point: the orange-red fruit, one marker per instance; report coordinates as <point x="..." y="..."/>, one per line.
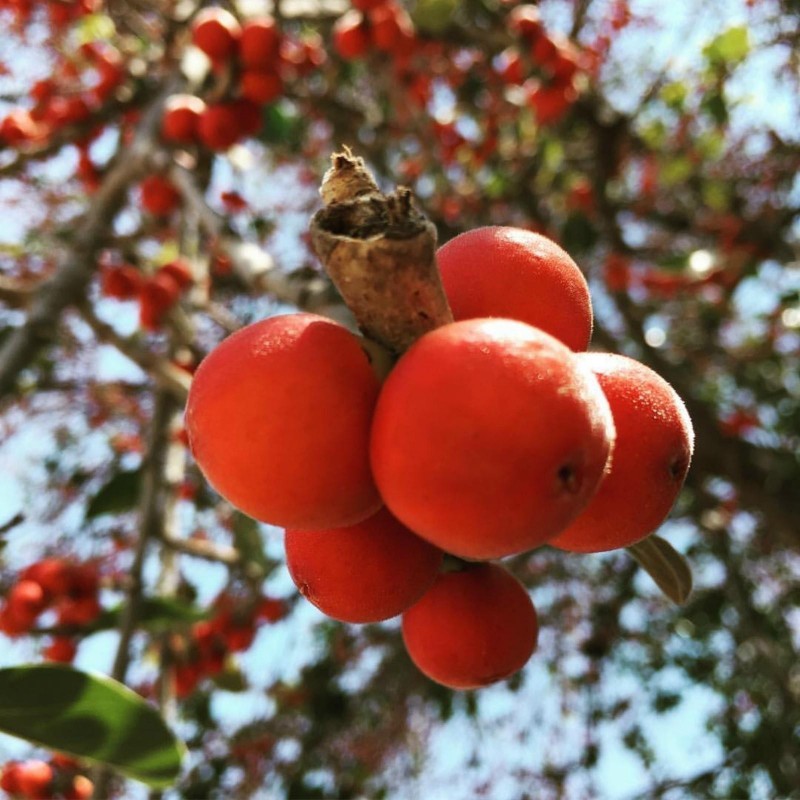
<point x="651" y="457"/>
<point x="34" y="778"/>
<point x="258" y="47"/>
<point x="219" y="127"/>
<point x="366" y="572"/>
<point x="510" y="272"/>
<point x="351" y="37"/>
<point x="158" y="195"/>
<point x="216" y="32"/>
<point x="472" y="628"/>
<point x="489" y="437"/>
<point x="260" y="87"/>
<point x="278" y="418"/>
<point x="181" y="119"/>
<point x="180" y="271"/>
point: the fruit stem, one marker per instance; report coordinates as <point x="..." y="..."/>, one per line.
<point x="380" y="252"/>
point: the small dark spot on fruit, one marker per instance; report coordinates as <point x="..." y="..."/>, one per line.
<point x="569" y="478"/>
<point x="677" y="467"/>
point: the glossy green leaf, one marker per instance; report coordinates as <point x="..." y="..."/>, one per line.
<point x="89" y="716"/>
<point x="118" y="495"/>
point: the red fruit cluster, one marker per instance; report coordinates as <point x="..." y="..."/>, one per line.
<point x="71" y="590"/>
<point x="253" y="53"/>
<point x="556" y="61"/>
<point x="58" y="779"/>
<point x="383" y="25"/>
<point x="490" y="436"/>
<point x="156" y="293"/>
<point x="204" y="652"/>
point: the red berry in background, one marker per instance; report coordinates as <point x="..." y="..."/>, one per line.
<point x="392" y="28"/>
<point x="509" y="272"/>
<point x="121" y="283"/>
<point x="180" y="271"/>
<point x="81" y="789"/>
<point x="158" y="195"/>
<point x="489" y="437"/>
<point x="25" y="601"/>
<point x="34" y="779"/>
<point x="351" y="37"/>
<point x="261" y="87"/>
<point x="367" y="5"/>
<point x="158" y="295"/>
<point x="181" y="119"/>
<point x="216" y="32"/>
<point x="52" y="574"/>
<point x="61" y="649"/>
<point x="249" y="114"/>
<point x="259" y="44"/>
<point x="366" y="572"/>
<point x="525" y="21"/>
<point x="78" y="611"/>
<point x="220" y="126"/>
<point x="9" y="780"/>
<point x="278" y="417"/>
<point x="509" y="66"/>
<point x="651" y="457"/>
<point x="472" y="628"/>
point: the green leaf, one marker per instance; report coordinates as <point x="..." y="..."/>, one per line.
<point x="676" y="170"/>
<point x="156" y="614"/>
<point x="714" y="105"/>
<point x="434" y="16"/>
<point x="96" y="27"/>
<point x="665" y="565"/>
<point x="118" y="495"/>
<point x="89" y="716"/>
<point x="674" y="94"/>
<point x="247" y="539"/>
<point x="729" y="47"/>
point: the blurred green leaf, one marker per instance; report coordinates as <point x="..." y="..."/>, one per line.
<point x="676" y="170"/>
<point x="433" y="16"/>
<point x="89" y="716"/>
<point x="729" y="47"/>
<point x="247" y="540"/>
<point x="674" y="94"/>
<point x="95" y="28"/>
<point x="118" y="495"/>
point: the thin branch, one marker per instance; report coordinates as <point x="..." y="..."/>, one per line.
<point x="166" y="374"/>
<point x="210" y="551"/>
<point x="68" y="285"/>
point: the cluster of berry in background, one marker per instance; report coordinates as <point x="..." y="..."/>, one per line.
<point x="69" y="590"/>
<point x="60" y="778"/>
<point x="491" y="436"/>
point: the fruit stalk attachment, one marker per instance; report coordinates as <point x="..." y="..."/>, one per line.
<point x="380" y="252"/>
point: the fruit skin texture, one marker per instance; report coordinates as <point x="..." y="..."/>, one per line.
<point x="367" y="572"/>
<point x="499" y="271"/>
<point x="654" y="445"/>
<point x="278" y="418"/>
<point x="489" y="437"/>
<point x="472" y="628"/>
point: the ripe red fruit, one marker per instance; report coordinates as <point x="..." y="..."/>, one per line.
<point x="249" y="115"/>
<point x="158" y="195"/>
<point x="62" y="649"/>
<point x="121" y="283"/>
<point x="216" y="32"/>
<point x="26" y="600"/>
<point x="258" y="47"/>
<point x="180" y="271"/>
<point x="366" y="572"/>
<point x="52" y="574"/>
<point x="651" y="457"/>
<point x="158" y="295"/>
<point x="278" y="418"/>
<point x="489" y="437"/>
<point x="34" y="778"/>
<point x="81" y="789"/>
<point x="181" y="119"/>
<point x="472" y="628"/>
<point x="525" y="21"/>
<point x="220" y="126"/>
<point x="351" y="38"/>
<point x="509" y="272"/>
<point x="392" y="28"/>
<point x="260" y="87"/>
<point x="9" y="780"/>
